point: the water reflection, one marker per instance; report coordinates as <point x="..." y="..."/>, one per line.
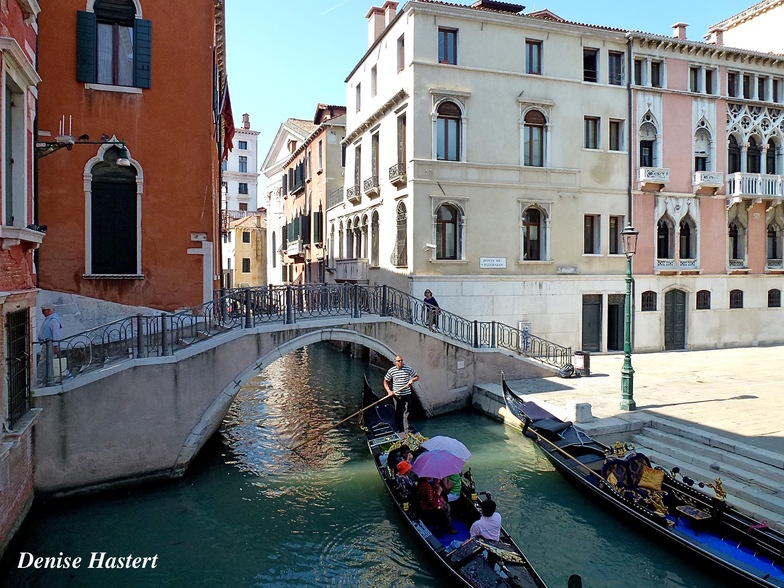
<point x="250" y="512"/>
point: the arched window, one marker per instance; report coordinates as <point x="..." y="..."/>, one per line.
<point x="664" y="240"/>
<point x="774" y="246"/>
<point x="647" y="145"/>
<point x="400" y="252"/>
<point x="733" y="156"/>
<point x="365" y="236"/>
<point x="358" y="238"/>
<point x="703" y="300"/>
<point x="736" y="250"/>
<point x="532" y="234"/>
<point x="349" y="239"/>
<point x="274" y="250"/>
<point x="648" y="301"/>
<point x="770" y="158"/>
<point x="115" y="228"/>
<point x="736" y="298"/>
<point x="331" y="244"/>
<point x="533" y="138"/>
<point x="374" y="239"/>
<point x="753" y="157"/>
<point x="688" y="249"/>
<point x="340" y="240"/>
<point x="447" y="232"/>
<point x="702" y="150"/>
<point x="448" y="131"/>
<point x="113" y="45"/>
<point x="774" y="298"/>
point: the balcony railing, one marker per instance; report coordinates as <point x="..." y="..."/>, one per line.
<point x="664" y="263"/>
<point x="294" y="248"/>
<point x="371" y="186"/>
<point x="653" y="176"/>
<point x="708" y="179"/>
<point x="687" y="263"/>
<point x="354" y="194"/>
<point x="754" y="185"/>
<point x="774" y="264"/>
<point x="351" y="270"/>
<point x="397" y="174"/>
<point x="335" y="198"/>
<point x="737" y="264"/>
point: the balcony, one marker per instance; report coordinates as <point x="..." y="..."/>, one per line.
<point x="371" y="186"/>
<point x="744" y="185"/>
<point x="397" y="174"/>
<point x="295" y="248"/>
<point x="774" y="265"/>
<point x="351" y="270"/>
<point x="707" y="182"/>
<point x="737" y="265"/>
<point x="335" y="198"/>
<point x="354" y="194"/>
<point x="665" y="264"/>
<point x="653" y="178"/>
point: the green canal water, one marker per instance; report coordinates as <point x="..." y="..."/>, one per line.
<point x="250" y="512"/>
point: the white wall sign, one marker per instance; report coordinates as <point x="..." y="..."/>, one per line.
<point x="492" y="262"/>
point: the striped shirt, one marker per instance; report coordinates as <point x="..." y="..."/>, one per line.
<point x="399" y="378"/>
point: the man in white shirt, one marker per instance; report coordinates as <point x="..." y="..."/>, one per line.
<point x="489" y="525"/>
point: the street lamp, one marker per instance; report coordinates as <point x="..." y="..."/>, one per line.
<point x="629" y="240"/>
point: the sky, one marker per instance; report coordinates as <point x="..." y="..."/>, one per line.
<point x="286" y="56"/>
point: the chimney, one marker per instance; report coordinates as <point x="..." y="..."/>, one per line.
<point x="246" y="121"/>
<point x="715" y="36"/>
<point x="390" y="9"/>
<point x="679" y="30"/>
<point x="375" y="18"/>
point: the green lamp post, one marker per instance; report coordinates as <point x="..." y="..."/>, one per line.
<point x="629" y="240"/>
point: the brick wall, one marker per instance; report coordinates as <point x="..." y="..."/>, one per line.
<point x="16" y="484"/>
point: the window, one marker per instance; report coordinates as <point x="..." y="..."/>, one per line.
<point x="591" y="234"/>
<point x="664" y="240"/>
<point x="374" y="225"/>
<point x="447" y="46"/>
<point x="358" y="165"/>
<point x="14" y="177"/>
<point x="762" y="85"/>
<point x="709" y="81"/>
<point x="774" y="298"/>
<point x="320" y="155"/>
<point x="531" y="228"/>
<point x="736" y="246"/>
<point x="590" y="65"/>
<point x="746" y="83"/>
<point x="638" y="69"/>
<point x="732" y="84"/>
<point x="274" y="252"/>
<point x="243" y="206"/>
<point x="775" y="90"/>
<point x="242" y="145"/>
<point x="448" y="228"/>
<point x="616" y="226"/>
<point x="701" y="149"/>
<point x="243" y="164"/>
<point x="374" y="146"/>
<point x="688" y="249"/>
<point x="703" y="300"/>
<point x="591" y="133"/>
<point x="309" y="170"/>
<point x="373" y="81"/>
<point x="400" y="253"/>
<point x="615" y="65"/>
<point x="694" y="79"/>
<point x="401" y="138"/>
<point x="647" y="145"/>
<point x="616" y="135"/>
<point x="770" y="158"/>
<point x="448" y="132"/>
<point x="246" y="265"/>
<point x="114" y="225"/>
<point x="401" y="53"/>
<point x="648" y="301"/>
<point x="243" y="188"/>
<point x="736" y="298"/>
<point x="774" y="242"/>
<point x="733" y="156"/>
<point x="113" y="46"/>
<point x="358" y="99"/>
<point x="533" y="57"/>
<point x="533" y="138"/>
<point x="246" y="236"/>
<point x="656" y="74"/>
<point x="342" y="155"/>
<point x="753" y="154"/>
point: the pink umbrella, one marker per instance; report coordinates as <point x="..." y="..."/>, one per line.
<point x="437" y="464"/>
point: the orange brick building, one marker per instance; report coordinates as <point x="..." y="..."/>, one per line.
<point x="131" y="207"/>
<point x="19" y="237"/>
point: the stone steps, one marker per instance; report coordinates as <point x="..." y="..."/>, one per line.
<point x="755" y="487"/>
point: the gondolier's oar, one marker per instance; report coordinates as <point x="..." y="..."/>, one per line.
<point x="348" y="418"/>
<point x="526" y="424"/>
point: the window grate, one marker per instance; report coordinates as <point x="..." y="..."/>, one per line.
<point x="18" y="337"/>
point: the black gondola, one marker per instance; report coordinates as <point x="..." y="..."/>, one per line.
<point x="660" y="503"/>
<point x="476" y="562"/>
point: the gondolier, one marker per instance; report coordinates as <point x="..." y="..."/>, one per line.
<point x="398" y="382"/>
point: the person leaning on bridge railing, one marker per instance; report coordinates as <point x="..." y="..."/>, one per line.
<point x="49" y="335"/>
<point x="431" y="310"/>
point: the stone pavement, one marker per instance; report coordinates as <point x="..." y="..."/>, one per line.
<point x="734" y="393"/>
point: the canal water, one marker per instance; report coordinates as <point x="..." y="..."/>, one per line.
<point x="250" y="512"/>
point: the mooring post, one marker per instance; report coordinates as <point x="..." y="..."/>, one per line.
<point x="248" y="318"/>
<point x="139" y="337"/>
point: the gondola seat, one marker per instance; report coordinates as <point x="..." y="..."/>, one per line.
<point x="635" y="479"/>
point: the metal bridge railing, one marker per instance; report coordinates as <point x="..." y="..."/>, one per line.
<point x="165" y="333"/>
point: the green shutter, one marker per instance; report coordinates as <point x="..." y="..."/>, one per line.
<point x="142" y="53"/>
<point x="85" y="47"/>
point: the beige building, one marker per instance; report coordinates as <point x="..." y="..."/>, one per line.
<point x="245" y="251"/>
<point x="757" y="28"/>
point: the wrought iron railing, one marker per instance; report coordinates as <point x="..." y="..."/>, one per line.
<point x="163" y="334"/>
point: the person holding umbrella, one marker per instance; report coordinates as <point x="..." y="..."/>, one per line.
<point x="400" y="376"/>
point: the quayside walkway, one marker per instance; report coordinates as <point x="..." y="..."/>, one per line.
<point x="715" y="413"/>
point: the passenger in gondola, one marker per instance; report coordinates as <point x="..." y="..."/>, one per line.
<point x="451" y="485"/>
<point x="405" y="478"/>
<point x="433" y="508"/>
<point x="489" y="525"/>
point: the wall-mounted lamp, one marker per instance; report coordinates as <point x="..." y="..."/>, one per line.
<point x="429" y="246"/>
<point x="44" y="148"/>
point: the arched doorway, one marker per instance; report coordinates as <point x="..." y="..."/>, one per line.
<point x="675" y="319"/>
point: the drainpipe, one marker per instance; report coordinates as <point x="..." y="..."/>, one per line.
<point x="630" y="42"/>
<point x="35" y="164"/>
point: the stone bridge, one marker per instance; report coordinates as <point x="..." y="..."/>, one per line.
<point x="146" y="418"/>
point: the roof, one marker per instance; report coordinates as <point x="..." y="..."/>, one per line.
<point x="252" y="221"/>
<point x="297" y="128"/>
<point x="306" y="127"/>
<point x="747" y="14"/>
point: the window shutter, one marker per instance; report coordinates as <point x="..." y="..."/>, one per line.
<point x="85" y="47"/>
<point x="142" y="53"/>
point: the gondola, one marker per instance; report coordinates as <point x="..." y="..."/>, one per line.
<point x="473" y="562"/>
<point x="662" y="504"/>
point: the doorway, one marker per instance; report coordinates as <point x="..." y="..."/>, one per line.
<point x="592" y="322"/>
<point x="616" y="310"/>
<point x="675" y="320"/>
